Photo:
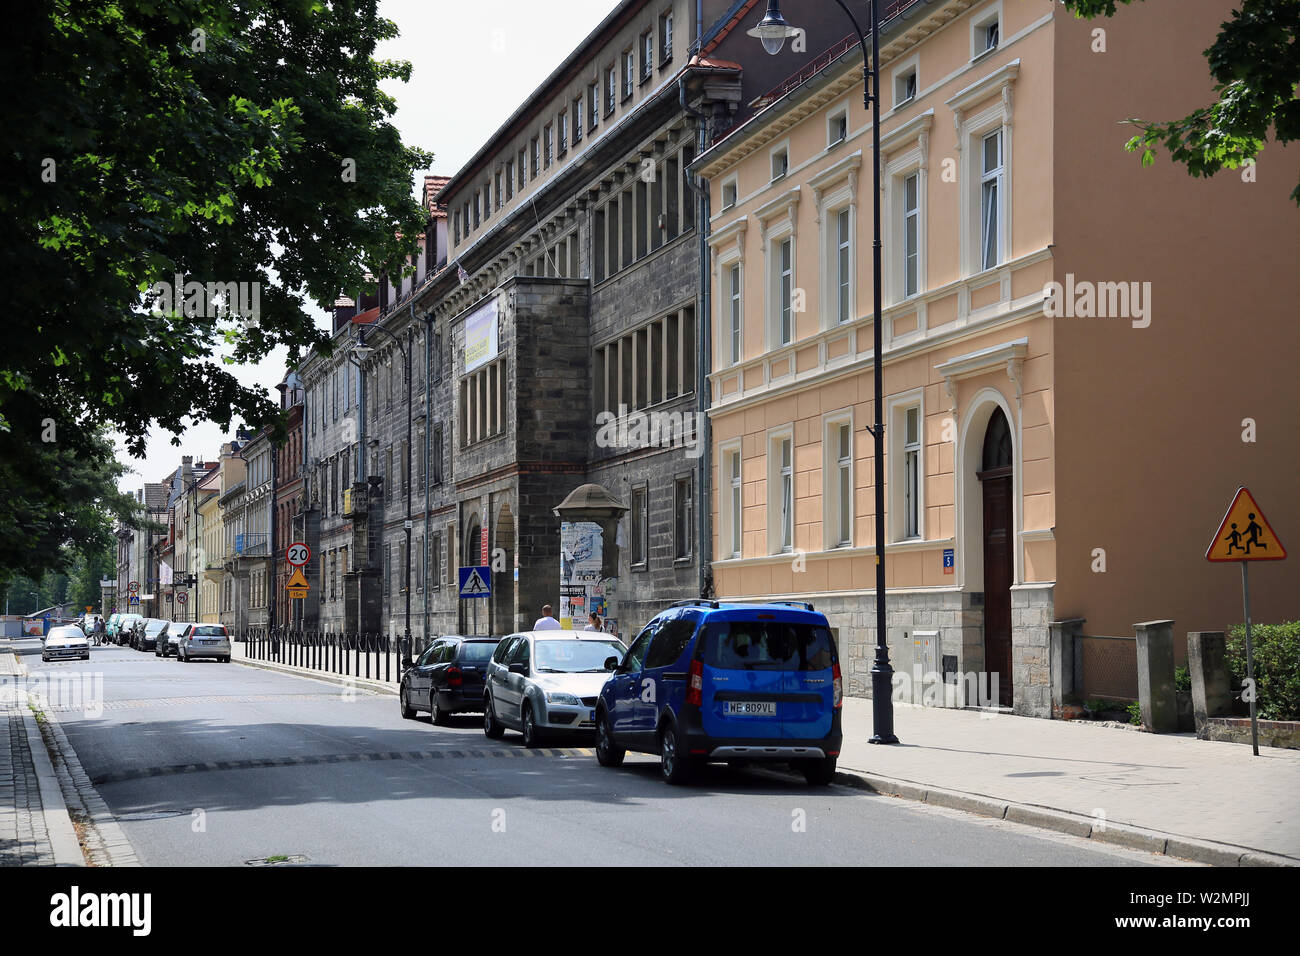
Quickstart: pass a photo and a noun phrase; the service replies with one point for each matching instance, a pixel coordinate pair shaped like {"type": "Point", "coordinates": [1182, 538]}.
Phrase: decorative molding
{"type": "Point", "coordinates": [725, 234]}
{"type": "Point", "coordinates": [909, 131]}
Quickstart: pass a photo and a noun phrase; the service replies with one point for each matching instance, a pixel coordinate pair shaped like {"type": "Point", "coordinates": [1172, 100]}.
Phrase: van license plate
{"type": "Point", "coordinates": [750, 708]}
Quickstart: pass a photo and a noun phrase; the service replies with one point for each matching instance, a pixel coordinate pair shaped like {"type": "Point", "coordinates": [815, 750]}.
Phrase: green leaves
{"type": "Point", "coordinates": [1255, 62]}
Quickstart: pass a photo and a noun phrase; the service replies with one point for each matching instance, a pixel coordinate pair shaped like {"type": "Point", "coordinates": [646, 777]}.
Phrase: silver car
{"type": "Point", "coordinates": [547, 682]}
{"type": "Point", "coordinates": [65, 643]}
{"type": "Point", "coordinates": [204, 640]}
{"type": "Point", "coordinates": [170, 647]}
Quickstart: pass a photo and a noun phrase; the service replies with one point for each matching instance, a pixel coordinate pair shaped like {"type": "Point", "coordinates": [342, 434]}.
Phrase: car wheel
{"type": "Point", "coordinates": [436, 713]}
{"type": "Point", "coordinates": [492, 728]}
{"type": "Point", "coordinates": [607, 755]}
{"type": "Point", "coordinates": [529, 728]}
{"type": "Point", "coordinates": [407, 711]}
{"type": "Point", "coordinates": [676, 767]}
{"type": "Point", "coordinates": [819, 772]}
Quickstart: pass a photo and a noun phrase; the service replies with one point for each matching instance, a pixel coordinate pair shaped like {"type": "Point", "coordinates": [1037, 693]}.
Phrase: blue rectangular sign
{"type": "Point", "coordinates": [475, 582]}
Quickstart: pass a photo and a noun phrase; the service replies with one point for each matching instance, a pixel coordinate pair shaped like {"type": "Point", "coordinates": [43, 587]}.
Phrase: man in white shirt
{"type": "Point", "coordinates": [546, 622]}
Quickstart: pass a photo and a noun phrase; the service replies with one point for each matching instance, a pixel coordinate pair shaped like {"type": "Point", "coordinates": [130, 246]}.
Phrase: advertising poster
{"type": "Point", "coordinates": [580, 584]}
{"type": "Point", "coordinates": [481, 335]}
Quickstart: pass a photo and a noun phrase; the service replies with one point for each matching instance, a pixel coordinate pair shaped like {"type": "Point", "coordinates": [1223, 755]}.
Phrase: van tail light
{"type": "Point", "coordinates": [454, 677]}
{"type": "Point", "coordinates": [839, 686]}
{"type": "Point", "coordinates": [695, 689]}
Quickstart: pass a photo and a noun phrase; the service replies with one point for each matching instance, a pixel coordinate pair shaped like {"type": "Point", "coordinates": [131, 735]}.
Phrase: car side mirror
{"type": "Point", "coordinates": [519, 668]}
{"type": "Point", "coordinates": [611, 663]}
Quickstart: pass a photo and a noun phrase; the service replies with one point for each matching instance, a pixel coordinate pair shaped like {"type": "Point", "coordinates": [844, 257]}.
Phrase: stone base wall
{"type": "Point", "coordinates": [1236, 730]}
{"type": "Point", "coordinates": [936, 646]}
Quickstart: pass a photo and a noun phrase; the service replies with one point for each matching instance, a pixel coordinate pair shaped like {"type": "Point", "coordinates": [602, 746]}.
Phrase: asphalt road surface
{"type": "Point", "coordinates": [223, 764]}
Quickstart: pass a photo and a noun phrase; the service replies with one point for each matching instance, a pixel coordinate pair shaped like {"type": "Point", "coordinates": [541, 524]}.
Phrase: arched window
{"type": "Point", "coordinates": [997, 442]}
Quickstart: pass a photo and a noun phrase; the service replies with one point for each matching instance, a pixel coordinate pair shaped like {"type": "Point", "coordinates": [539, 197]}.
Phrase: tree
{"type": "Point", "coordinates": [1255, 62]}
{"type": "Point", "coordinates": [222, 143]}
{"type": "Point", "coordinates": [61, 507]}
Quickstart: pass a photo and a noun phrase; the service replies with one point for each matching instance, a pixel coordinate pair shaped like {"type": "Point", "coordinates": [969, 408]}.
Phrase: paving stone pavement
{"type": "Point", "coordinates": [23, 837]}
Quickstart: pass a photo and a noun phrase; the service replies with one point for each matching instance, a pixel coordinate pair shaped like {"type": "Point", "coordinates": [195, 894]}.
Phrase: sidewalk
{"type": "Point", "coordinates": [375, 683]}
{"type": "Point", "coordinates": [35, 829]}
{"type": "Point", "coordinates": [1167, 793]}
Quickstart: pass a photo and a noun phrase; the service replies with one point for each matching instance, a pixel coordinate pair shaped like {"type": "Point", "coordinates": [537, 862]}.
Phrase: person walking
{"type": "Point", "coordinates": [593, 622]}
{"type": "Point", "coordinates": [547, 621]}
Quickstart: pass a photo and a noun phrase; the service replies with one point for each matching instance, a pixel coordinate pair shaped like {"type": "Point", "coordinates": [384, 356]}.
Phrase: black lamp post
{"type": "Point", "coordinates": [773, 31]}
{"type": "Point", "coordinates": [361, 349]}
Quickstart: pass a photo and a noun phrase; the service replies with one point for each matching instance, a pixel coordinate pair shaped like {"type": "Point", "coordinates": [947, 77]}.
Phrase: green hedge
{"type": "Point", "coordinates": [1277, 667]}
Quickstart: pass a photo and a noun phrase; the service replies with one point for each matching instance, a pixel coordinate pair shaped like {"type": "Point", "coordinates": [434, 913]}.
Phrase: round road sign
{"type": "Point", "coordinates": [133, 586]}
{"type": "Point", "coordinates": [182, 597]}
{"type": "Point", "coordinates": [297, 554]}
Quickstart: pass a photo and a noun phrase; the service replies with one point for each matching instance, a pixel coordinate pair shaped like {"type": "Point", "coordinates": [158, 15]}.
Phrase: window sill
{"type": "Point", "coordinates": [982, 54]}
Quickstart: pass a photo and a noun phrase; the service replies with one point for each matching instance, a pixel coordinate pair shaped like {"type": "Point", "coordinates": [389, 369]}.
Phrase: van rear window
{"type": "Point", "coordinates": [476, 652]}
{"type": "Point", "coordinates": [768, 645]}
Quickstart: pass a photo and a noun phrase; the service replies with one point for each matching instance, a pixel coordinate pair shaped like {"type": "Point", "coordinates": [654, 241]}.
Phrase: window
{"type": "Point", "coordinates": [904, 86]}
{"type": "Point", "coordinates": [523, 170]}
{"type": "Point", "coordinates": [990, 35]}
{"type": "Point", "coordinates": [435, 466]}
{"type": "Point", "coordinates": [733, 515]}
{"type": "Point", "coordinates": [496, 191]}
{"type": "Point", "coordinates": [482, 403]}
{"type": "Point", "coordinates": [911, 234]}
{"type": "Point", "coordinates": [837, 128]}
{"type": "Point", "coordinates": [665, 37]}
{"type": "Point", "coordinates": [548, 146]}
{"type": "Point", "coordinates": [388, 570]}
{"type": "Point", "coordinates": [577, 120]}
{"type": "Point", "coordinates": [844, 264]}
{"type": "Point", "coordinates": [839, 468]}
{"type": "Point", "coordinates": [640, 526]}
{"type": "Point", "coordinates": [478, 208]}
{"type": "Point", "coordinates": [611, 89]}
{"type": "Point", "coordinates": [729, 194]}
{"type": "Point", "coordinates": [684, 515]}
{"type": "Point", "coordinates": [780, 163]}
{"type": "Point", "coordinates": [781, 495]}
{"type": "Point", "coordinates": [487, 200]}
{"type": "Point", "coordinates": [733, 279]}
{"type": "Point", "coordinates": [510, 180]}
{"type": "Point", "coordinates": [911, 473]}
{"type": "Point", "coordinates": [785, 326]}
{"type": "Point", "coordinates": [562, 126]}
{"type": "Point", "coordinates": [455, 233]}
{"type": "Point", "coordinates": [593, 105]}
{"type": "Point", "coordinates": [435, 560]}
{"type": "Point", "coordinates": [985, 33]}
{"type": "Point", "coordinates": [537, 157]}
{"type": "Point", "coordinates": [991, 200]}
{"type": "Point", "coordinates": [647, 54]}
{"type": "Point", "coordinates": [629, 72]}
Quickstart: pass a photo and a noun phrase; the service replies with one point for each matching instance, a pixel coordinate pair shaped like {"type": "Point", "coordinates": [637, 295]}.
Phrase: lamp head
{"type": "Point", "coordinates": [772, 30]}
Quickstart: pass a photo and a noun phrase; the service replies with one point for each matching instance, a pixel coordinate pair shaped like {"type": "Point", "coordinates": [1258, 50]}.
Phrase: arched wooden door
{"type": "Point", "coordinates": [999, 563]}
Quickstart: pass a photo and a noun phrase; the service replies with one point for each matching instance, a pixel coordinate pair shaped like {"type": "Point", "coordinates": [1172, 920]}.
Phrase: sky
{"type": "Point", "coordinates": [472, 65]}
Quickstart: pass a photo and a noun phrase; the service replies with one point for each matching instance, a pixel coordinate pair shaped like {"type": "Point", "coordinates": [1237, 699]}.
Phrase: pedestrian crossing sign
{"type": "Point", "coordinates": [1245, 534]}
{"type": "Point", "coordinates": [475, 582]}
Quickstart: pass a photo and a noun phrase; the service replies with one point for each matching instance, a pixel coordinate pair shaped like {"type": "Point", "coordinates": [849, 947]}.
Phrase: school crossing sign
{"type": "Point", "coordinates": [1245, 534]}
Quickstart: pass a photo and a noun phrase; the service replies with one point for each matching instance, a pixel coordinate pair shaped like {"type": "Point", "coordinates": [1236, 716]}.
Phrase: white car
{"type": "Point", "coordinates": [544, 683]}
{"type": "Point", "coordinates": [65, 642]}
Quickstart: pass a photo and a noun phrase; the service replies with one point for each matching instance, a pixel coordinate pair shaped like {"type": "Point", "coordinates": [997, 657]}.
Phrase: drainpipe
{"type": "Point", "coordinates": [428, 436]}
{"type": "Point", "coordinates": [704, 334]}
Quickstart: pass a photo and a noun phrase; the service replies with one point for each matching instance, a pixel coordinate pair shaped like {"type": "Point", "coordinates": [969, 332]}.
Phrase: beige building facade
{"type": "Point", "coordinates": [1052, 315]}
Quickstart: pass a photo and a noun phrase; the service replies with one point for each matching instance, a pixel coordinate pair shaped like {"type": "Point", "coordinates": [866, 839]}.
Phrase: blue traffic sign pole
{"type": "Point", "coordinates": [475, 583]}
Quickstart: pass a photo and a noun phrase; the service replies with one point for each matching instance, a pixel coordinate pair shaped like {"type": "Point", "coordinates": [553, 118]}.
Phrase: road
{"type": "Point", "coordinates": [222, 764]}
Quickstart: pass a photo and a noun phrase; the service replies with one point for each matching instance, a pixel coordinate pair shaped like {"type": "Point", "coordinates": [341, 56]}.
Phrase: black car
{"type": "Point", "coordinates": [448, 677]}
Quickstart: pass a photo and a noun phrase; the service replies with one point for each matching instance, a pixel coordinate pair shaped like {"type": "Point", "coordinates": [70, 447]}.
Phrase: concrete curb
{"type": "Point", "coordinates": [58, 823]}
{"type": "Point", "coordinates": [341, 680]}
{"type": "Point", "coordinates": [1060, 821]}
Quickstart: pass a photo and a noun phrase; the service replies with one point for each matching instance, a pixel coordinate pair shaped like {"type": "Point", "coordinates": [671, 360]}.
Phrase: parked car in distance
{"type": "Point", "coordinates": [204, 640]}
{"type": "Point", "coordinates": [167, 646]}
{"type": "Point", "coordinates": [149, 633]}
{"type": "Point", "coordinates": [448, 677]}
{"type": "Point", "coordinates": [110, 627]}
{"type": "Point", "coordinates": [125, 629]}
{"type": "Point", "coordinates": [546, 682]}
{"type": "Point", "coordinates": [66, 642]}
{"type": "Point", "coordinates": [710, 681]}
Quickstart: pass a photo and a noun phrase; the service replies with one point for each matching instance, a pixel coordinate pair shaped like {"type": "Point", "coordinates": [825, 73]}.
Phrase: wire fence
{"type": "Point", "coordinates": [1109, 668]}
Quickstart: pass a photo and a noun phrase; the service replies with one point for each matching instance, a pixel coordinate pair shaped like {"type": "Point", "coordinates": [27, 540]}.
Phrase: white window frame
{"type": "Point", "coordinates": [897, 170]}
{"type": "Point", "coordinates": [838, 203]}
{"type": "Point", "coordinates": [998, 87]}
{"type": "Point", "coordinates": [731, 466]}
{"type": "Point", "coordinates": [909, 67]}
{"type": "Point", "coordinates": [832, 121]}
{"type": "Point", "coordinates": [833, 464]}
{"type": "Point", "coordinates": [777, 222]}
{"type": "Point", "coordinates": [733, 183]}
{"type": "Point", "coordinates": [776, 485]}
{"type": "Point", "coordinates": [980, 21]}
{"type": "Point", "coordinates": [782, 147]}
{"type": "Point", "coordinates": [896, 456]}
{"type": "Point", "coordinates": [996, 177]}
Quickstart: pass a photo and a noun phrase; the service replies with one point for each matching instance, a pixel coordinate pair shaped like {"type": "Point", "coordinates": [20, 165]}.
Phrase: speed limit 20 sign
{"type": "Point", "coordinates": [297, 554]}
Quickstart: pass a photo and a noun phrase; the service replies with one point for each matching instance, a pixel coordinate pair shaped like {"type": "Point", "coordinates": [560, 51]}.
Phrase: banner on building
{"type": "Point", "coordinates": [481, 335]}
{"type": "Point", "coordinates": [164, 573]}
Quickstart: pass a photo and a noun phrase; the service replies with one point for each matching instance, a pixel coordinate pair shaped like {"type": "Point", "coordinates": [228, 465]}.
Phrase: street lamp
{"type": "Point", "coordinates": [773, 31]}
{"type": "Point", "coordinates": [361, 349]}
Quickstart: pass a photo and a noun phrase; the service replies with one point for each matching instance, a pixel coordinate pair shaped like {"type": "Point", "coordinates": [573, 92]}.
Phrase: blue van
{"type": "Point", "coordinates": [713, 681]}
